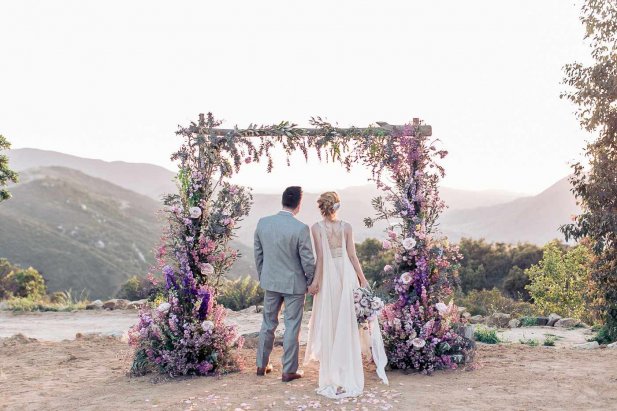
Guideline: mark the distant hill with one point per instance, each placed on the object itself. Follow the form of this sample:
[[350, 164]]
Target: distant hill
[[147, 179], [83, 232], [535, 218]]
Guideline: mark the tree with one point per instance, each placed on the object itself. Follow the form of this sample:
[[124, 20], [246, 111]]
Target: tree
[[560, 282], [6, 174], [373, 259], [593, 88], [515, 283], [26, 283]]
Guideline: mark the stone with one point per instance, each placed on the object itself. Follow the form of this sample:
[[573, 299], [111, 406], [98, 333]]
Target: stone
[[251, 340], [249, 310], [466, 315], [553, 318], [95, 305], [567, 322], [612, 346], [137, 305], [499, 320], [259, 308], [514, 323], [541, 321], [592, 345], [116, 304], [476, 319], [4, 306]]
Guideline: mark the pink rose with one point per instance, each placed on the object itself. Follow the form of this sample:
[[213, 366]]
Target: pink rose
[[386, 244], [388, 268]]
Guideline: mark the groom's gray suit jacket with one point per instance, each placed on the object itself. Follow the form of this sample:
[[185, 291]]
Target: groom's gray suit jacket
[[284, 254]]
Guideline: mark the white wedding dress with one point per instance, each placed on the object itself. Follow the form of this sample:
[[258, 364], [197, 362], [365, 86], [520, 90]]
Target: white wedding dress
[[334, 338]]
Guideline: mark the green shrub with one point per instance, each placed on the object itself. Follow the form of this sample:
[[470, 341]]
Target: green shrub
[[529, 321], [532, 342], [604, 336], [487, 302], [25, 283], [240, 294], [549, 340], [560, 282], [137, 288], [58, 301], [486, 335]]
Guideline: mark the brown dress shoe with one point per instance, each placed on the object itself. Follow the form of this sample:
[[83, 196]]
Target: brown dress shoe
[[263, 371], [290, 377]]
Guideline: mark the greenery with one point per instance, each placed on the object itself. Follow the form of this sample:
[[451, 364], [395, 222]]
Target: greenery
[[549, 340], [25, 283], [497, 265], [486, 335], [560, 282], [240, 293], [532, 342], [487, 302], [529, 321], [373, 259], [6, 174], [592, 89], [138, 288]]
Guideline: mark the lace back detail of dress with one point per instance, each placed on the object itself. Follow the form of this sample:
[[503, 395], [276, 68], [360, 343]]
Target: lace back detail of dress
[[334, 234]]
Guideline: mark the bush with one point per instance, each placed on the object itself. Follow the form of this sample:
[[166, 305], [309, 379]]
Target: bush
[[560, 282], [137, 288], [487, 302], [549, 341], [486, 335], [240, 294], [58, 301], [25, 283]]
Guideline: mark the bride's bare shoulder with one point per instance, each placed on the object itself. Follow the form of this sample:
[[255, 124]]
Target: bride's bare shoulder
[[347, 227]]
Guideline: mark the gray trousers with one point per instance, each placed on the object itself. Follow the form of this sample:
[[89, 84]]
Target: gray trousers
[[294, 308]]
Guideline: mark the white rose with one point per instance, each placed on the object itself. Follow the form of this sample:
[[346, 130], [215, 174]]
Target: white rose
[[409, 243], [207, 325], [164, 307], [441, 307], [418, 343], [406, 278], [195, 212]]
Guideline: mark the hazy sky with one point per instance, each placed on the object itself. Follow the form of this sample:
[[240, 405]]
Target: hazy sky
[[113, 79]]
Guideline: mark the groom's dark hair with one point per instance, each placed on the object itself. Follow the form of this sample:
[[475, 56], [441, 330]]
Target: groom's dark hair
[[292, 197]]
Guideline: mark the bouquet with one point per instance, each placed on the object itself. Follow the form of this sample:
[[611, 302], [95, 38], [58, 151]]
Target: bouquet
[[367, 305]]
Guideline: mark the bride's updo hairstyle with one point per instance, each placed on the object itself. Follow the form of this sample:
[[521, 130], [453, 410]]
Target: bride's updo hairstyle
[[328, 203]]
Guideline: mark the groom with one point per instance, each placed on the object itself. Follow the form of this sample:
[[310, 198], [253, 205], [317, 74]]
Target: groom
[[285, 265]]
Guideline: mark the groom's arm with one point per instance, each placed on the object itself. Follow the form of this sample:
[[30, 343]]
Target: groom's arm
[[259, 253], [305, 249]]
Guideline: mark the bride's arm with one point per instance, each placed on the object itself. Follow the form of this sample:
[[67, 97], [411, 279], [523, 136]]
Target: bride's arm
[[353, 257], [317, 280]]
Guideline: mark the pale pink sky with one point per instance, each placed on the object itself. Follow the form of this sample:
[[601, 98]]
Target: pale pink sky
[[112, 79]]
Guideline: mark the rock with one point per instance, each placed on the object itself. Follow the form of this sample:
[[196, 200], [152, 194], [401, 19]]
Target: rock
[[592, 345], [567, 322], [499, 320], [552, 319], [466, 315], [95, 305], [251, 340], [612, 346], [116, 304], [4, 305], [514, 323], [249, 310], [476, 319], [137, 305], [541, 321], [259, 308]]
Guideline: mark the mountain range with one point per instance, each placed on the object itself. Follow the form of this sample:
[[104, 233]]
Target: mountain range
[[90, 224]]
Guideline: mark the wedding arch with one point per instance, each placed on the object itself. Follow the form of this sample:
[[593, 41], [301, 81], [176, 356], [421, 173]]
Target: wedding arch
[[185, 332]]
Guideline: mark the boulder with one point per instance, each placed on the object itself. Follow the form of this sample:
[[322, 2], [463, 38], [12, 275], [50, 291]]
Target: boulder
[[476, 319], [136, 305], [116, 304], [552, 319], [95, 305], [592, 345], [567, 322], [612, 346], [514, 323], [541, 321], [250, 309], [466, 315], [251, 340], [4, 305], [499, 320]]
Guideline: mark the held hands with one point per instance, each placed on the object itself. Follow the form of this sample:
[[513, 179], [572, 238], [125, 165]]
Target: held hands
[[313, 288]]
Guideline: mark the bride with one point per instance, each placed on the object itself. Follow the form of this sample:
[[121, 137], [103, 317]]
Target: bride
[[335, 340]]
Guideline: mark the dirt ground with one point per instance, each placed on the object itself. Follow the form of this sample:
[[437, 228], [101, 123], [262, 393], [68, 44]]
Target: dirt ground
[[91, 374]]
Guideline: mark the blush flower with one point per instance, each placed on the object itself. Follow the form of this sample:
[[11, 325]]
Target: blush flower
[[441, 307], [409, 243], [207, 269], [406, 278], [207, 325], [386, 244], [418, 343], [387, 268], [195, 212]]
